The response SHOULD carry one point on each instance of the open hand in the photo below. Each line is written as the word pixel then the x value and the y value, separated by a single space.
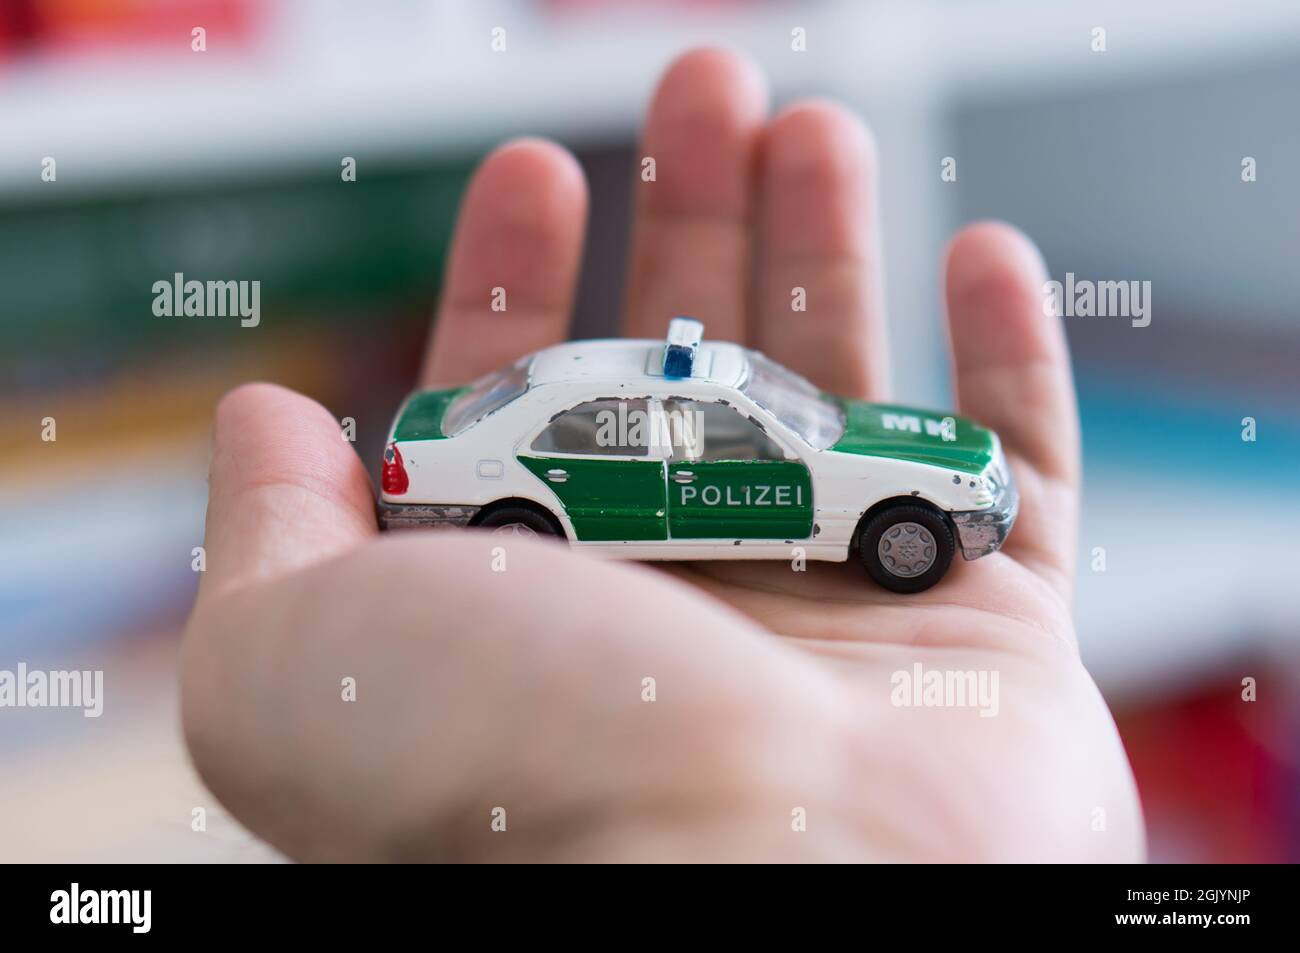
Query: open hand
pixel 776 731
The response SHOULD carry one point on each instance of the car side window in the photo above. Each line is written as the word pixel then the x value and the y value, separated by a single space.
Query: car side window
pixel 704 431
pixel 612 428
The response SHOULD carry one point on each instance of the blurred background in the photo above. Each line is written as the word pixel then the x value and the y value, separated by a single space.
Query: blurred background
pixel 225 163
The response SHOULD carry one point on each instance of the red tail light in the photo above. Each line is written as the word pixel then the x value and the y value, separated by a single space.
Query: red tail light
pixel 394 479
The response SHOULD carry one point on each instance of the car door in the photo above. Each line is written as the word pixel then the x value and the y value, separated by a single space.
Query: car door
pixel 597 459
pixel 727 479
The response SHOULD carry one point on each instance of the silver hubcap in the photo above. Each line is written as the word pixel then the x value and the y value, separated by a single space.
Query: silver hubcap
pixel 514 529
pixel 907 549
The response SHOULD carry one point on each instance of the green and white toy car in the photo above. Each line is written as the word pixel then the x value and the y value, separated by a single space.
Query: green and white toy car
pixel 697 450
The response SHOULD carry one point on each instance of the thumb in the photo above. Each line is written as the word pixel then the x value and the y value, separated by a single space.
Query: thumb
pixel 285 489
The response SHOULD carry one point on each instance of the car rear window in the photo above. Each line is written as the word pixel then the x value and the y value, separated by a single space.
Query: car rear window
pixel 485 396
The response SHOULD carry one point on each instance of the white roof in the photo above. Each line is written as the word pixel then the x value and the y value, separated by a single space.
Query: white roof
pixel 623 359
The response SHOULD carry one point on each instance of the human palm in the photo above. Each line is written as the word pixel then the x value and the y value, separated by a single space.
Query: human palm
pixel 604 710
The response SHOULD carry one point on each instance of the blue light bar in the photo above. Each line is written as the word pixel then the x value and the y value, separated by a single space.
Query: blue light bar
pixel 684 335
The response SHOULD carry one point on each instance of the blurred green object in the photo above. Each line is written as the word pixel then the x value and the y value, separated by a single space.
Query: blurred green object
pixel 77 276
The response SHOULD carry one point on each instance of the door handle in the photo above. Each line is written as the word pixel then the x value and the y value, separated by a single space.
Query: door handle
pixel 557 476
pixel 683 476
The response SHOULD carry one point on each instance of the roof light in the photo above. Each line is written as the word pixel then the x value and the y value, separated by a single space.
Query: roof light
pixel 684 336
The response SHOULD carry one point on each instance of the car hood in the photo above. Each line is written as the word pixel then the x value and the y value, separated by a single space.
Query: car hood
pixel 908 433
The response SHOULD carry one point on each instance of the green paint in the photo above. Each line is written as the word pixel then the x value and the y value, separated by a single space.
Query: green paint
pixel 741 499
pixel 905 433
pixel 608 499
pixel 422 416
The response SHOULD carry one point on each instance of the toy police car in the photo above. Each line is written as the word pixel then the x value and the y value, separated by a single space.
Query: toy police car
pixel 697 450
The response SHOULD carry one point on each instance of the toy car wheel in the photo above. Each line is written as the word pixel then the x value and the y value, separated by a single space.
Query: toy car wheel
pixel 518 521
pixel 906 548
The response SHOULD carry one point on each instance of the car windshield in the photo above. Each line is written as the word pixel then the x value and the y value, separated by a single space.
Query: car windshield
pixel 793 401
pixel 486 395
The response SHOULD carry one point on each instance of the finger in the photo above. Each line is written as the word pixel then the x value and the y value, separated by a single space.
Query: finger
pixel 514 262
pixel 285 488
pixel 1013 374
pixel 690 240
pixel 820 248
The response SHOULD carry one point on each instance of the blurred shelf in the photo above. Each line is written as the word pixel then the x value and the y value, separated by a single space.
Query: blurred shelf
pixel 391 80
pixel 1207 581
pixel 119 788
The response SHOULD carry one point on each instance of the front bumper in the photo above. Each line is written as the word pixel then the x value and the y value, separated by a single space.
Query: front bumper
pixel 981 532
pixel 405 516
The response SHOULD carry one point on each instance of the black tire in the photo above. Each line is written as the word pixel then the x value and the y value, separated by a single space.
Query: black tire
pixel 531 519
pixel 911 542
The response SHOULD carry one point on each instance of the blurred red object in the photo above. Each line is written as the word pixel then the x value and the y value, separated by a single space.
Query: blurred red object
pixel 18 25
pixel 44 26
pixel 1218 774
